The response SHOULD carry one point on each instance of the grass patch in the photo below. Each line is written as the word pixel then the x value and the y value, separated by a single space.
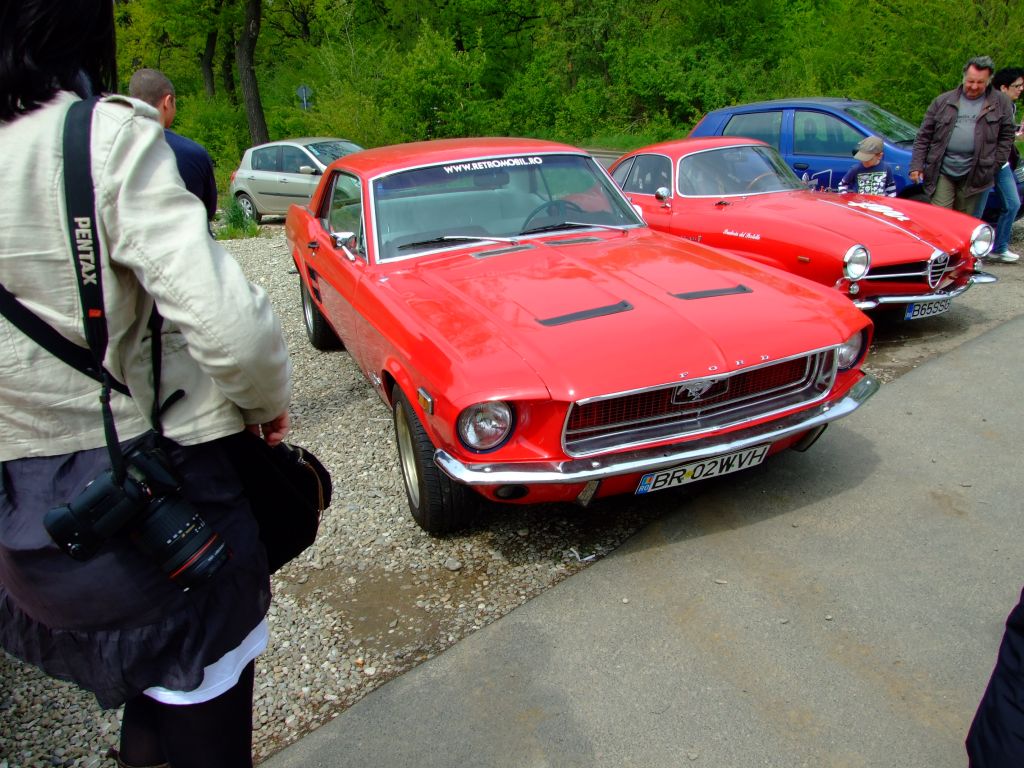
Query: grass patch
pixel 234 224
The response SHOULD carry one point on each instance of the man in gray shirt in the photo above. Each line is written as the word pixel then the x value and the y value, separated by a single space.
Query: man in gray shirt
pixel 964 139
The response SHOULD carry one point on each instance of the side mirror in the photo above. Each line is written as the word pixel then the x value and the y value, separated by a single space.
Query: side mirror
pixel 345 241
pixel 661 194
pixel 309 170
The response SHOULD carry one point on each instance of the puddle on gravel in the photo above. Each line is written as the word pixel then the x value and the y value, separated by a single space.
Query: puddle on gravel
pixel 395 610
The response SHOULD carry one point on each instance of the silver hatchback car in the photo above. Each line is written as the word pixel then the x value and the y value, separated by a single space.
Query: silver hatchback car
pixel 275 175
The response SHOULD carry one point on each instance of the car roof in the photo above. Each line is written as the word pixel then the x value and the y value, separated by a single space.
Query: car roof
pixel 802 101
pixel 685 146
pixel 418 153
pixel 302 140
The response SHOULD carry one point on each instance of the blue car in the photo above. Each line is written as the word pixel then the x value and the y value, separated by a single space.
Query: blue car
pixel 818 136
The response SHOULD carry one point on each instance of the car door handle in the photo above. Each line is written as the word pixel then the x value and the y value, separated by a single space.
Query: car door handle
pixel 801 166
pixel 312 245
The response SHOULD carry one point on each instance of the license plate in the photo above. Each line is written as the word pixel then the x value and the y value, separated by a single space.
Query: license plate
pixel 927 309
pixel 702 470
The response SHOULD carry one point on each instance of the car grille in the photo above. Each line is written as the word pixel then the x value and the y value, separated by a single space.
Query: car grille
pixel 931 273
pixel 697 406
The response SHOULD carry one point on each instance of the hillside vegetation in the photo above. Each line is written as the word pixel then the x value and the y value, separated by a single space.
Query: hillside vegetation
pixel 603 73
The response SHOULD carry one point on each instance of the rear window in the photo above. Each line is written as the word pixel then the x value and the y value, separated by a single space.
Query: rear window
pixel 766 126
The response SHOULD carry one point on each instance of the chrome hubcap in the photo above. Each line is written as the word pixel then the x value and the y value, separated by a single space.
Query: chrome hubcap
pixel 407 456
pixel 307 309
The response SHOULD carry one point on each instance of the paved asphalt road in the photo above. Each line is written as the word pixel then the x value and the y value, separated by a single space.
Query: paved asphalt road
pixel 837 608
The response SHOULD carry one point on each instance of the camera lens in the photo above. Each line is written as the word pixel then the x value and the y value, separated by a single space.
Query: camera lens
pixel 175 535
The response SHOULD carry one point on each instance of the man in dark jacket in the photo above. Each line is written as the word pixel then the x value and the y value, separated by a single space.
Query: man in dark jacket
pixel 964 139
pixel 194 162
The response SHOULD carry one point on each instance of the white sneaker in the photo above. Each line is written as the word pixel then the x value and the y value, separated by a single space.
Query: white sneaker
pixel 1007 257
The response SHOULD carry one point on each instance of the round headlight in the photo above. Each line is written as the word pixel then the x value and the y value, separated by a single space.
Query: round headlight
pixel 982 239
pixel 484 426
pixel 856 262
pixel 849 352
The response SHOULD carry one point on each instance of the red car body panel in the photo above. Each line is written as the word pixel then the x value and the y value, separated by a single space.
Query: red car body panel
pixel 556 318
pixel 808 232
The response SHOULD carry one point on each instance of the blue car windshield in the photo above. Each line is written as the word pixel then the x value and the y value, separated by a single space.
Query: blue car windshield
pixel 883 123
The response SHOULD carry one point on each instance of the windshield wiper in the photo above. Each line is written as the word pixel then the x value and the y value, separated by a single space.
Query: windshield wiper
pixel 571 225
pixel 458 239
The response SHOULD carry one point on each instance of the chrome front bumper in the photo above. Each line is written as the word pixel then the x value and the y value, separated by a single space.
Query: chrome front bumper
pixel 979 278
pixel 651 459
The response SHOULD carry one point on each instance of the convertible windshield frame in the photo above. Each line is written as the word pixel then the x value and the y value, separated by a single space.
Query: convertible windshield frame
pixel 739 170
pixel 423 209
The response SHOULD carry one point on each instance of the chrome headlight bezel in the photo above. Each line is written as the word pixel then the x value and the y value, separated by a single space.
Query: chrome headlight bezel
pixel 856 263
pixel 982 239
pixel 852 351
pixel 486 426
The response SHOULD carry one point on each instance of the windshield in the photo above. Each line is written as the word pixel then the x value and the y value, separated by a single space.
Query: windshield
pixel 883 123
pixel 745 170
pixel 329 151
pixel 493 200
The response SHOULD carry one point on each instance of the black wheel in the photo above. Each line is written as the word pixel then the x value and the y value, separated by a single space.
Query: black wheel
pixel 319 331
pixel 553 209
pixel 249 207
pixel 438 504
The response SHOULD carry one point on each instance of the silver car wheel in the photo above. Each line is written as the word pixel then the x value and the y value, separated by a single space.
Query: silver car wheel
pixel 407 455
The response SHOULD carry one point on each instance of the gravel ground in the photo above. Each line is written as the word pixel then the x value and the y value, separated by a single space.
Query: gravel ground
pixel 376 596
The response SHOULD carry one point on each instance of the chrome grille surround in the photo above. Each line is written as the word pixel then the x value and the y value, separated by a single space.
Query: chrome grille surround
pixel 932 272
pixel 681 411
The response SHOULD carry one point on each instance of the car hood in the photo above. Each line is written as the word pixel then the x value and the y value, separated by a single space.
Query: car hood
pixel 895 230
pixel 608 312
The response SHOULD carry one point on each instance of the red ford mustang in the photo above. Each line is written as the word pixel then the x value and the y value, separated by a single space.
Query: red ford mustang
pixel 740 195
pixel 535 341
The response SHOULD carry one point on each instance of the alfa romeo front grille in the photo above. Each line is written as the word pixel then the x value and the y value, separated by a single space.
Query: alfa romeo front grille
pixel 673 411
pixel 929 273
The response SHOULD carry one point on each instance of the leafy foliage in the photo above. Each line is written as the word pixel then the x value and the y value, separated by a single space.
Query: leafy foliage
pixel 599 71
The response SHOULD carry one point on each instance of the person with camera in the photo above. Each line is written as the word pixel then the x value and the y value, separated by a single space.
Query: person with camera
pixel 130 562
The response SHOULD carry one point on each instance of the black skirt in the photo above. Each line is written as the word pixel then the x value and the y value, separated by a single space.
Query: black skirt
pixel 116 624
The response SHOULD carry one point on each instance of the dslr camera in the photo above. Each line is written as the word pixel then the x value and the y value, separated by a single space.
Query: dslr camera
pixel 160 521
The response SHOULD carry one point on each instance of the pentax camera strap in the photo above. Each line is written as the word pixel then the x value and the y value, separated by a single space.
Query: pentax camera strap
pixel 80 200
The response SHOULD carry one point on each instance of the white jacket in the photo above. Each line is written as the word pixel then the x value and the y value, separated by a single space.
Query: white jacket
pixel 222 343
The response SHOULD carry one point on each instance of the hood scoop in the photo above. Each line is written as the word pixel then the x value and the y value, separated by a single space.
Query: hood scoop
pixel 500 251
pixel 712 293
pixel 587 314
pixel 576 241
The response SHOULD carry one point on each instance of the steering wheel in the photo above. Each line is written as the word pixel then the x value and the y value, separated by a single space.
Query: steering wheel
pixel 554 209
pixel 754 181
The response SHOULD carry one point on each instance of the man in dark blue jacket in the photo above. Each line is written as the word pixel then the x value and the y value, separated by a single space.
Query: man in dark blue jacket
pixel 194 163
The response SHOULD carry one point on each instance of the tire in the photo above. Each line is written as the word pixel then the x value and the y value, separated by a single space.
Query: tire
pixel 438 504
pixel 249 207
pixel 318 330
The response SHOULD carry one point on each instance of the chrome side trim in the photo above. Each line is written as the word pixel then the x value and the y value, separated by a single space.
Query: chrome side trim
pixel 650 459
pixel 979 278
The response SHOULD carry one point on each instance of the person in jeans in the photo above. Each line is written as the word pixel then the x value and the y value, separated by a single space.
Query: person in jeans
pixel 1010 82
pixel 965 137
pixel 181 662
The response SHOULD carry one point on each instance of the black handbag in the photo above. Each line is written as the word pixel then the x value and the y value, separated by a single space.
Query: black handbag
pixel 288 489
